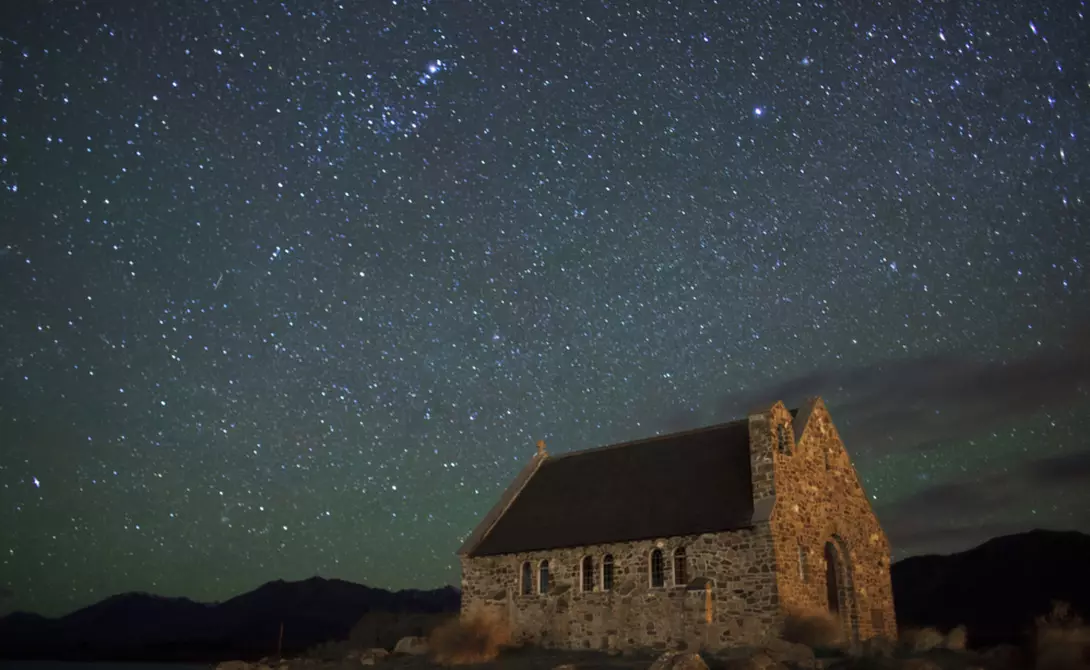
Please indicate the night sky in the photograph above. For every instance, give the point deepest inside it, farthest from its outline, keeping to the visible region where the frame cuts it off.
(293, 288)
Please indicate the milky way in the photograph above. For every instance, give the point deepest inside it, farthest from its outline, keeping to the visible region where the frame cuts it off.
(293, 288)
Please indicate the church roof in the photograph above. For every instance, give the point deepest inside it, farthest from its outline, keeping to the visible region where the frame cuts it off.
(679, 484)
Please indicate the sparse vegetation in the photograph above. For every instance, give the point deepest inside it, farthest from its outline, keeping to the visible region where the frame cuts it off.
(921, 640)
(955, 639)
(476, 637)
(816, 628)
(1061, 640)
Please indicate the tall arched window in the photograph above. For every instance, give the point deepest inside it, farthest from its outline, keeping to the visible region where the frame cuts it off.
(681, 567)
(607, 572)
(588, 573)
(527, 579)
(782, 442)
(543, 577)
(657, 569)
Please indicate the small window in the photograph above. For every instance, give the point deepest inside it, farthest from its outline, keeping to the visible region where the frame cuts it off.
(527, 579)
(681, 567)
(804, 569)
(588, 573)
(543, 578)
(607, 572)
(825, 452)
(782, 442)
(657, 569)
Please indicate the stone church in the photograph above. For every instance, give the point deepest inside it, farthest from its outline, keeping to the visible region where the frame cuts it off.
(698, 540)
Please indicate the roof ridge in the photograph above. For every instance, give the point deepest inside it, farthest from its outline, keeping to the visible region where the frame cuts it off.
(645, 440)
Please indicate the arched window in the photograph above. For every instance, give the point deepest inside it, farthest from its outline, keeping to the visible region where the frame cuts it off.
(527, 579)
(588, 573)
(781, 440)
(681, 567)
(657, 569)
(607, 572)
(543, 577)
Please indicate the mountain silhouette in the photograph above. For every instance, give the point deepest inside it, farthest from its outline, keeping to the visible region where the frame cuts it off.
(997, 588)
(145, 627)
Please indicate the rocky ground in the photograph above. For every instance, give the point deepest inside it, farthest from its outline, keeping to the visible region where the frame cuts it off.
(413, 654)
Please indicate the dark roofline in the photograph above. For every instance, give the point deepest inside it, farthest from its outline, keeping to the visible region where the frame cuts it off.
(645, 440)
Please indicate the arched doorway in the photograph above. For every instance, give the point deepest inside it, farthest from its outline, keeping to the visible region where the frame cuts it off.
(839, 587)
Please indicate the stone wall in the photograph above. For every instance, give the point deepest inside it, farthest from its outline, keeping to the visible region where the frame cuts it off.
(745, 608)
(819, 500)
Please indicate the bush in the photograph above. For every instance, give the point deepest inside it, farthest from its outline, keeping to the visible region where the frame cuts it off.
(476, 637)
(1062, 640)
(955, 639)
(922, 639)
(816, 628)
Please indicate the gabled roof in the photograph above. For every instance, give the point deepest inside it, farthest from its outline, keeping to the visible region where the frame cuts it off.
(680, 484)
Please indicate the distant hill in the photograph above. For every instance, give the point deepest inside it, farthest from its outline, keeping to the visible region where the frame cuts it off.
(139, 626)
(997, 588)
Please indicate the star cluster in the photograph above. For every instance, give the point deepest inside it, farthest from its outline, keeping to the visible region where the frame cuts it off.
(293, 288)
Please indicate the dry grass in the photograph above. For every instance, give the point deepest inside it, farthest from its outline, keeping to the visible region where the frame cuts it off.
(922, 639)
(1062, 640)
(816, 628)
(476, 637)
(955, 639)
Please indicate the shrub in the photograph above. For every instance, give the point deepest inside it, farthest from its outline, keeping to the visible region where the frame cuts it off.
(1062, 640)
(476, 637)
(816, 628)
(922, 639)
(955, 639)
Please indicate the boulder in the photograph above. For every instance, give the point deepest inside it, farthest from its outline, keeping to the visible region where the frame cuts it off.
(758, 661)
(412, 646)
(679, 660)
(790, 653)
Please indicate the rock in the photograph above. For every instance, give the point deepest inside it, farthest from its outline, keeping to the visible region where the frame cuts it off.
(367, 660)
(412, 645)
(565, 666)
(920, 664)
(679, 660)
(233, 665)
(790, 653)
(377, 653)
(759, 661)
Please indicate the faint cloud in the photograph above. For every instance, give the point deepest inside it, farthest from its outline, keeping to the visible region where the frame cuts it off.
(914, 404)
(960, 514)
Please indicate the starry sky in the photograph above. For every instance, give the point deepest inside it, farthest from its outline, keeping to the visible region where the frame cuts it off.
(292, 288)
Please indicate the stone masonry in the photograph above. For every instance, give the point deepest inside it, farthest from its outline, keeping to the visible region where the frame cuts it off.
(820, 505)
(811, 523)
(634, 614)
